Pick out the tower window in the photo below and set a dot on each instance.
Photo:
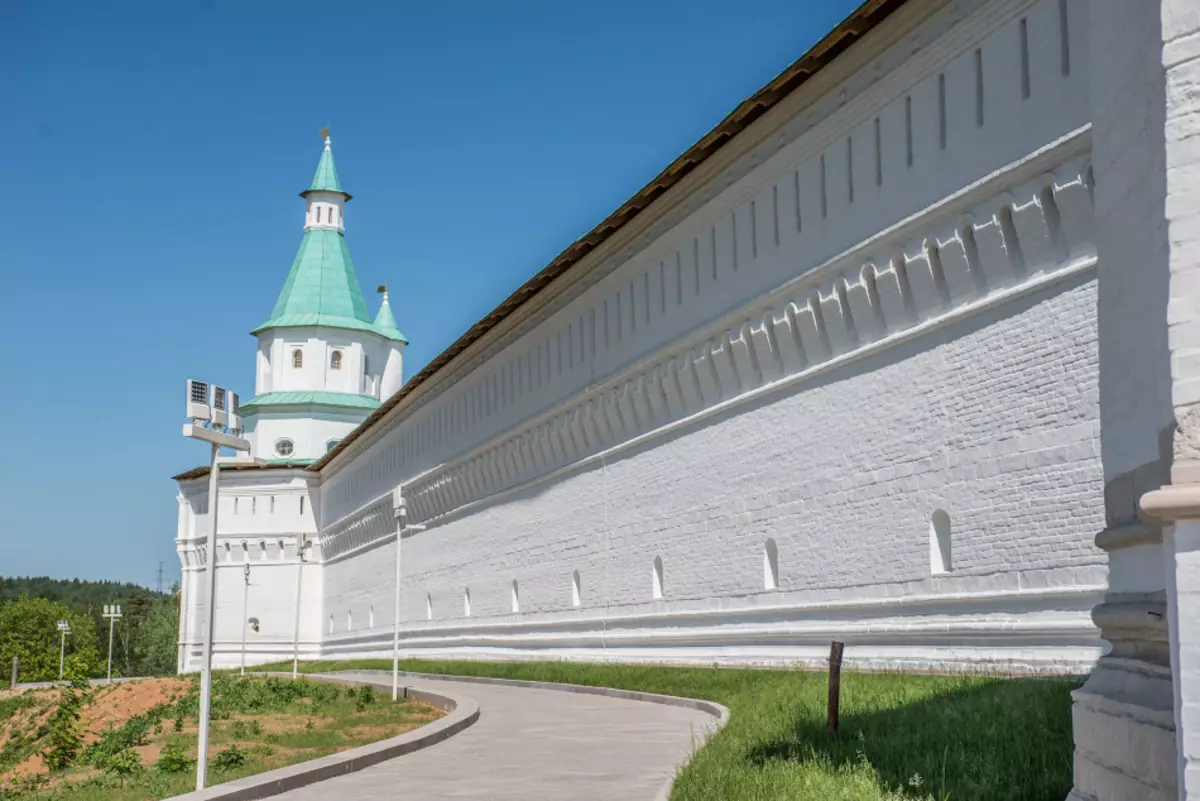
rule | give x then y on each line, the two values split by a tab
516	598
575	596
297	358
428	606
284	448
466	603
657	578
335	360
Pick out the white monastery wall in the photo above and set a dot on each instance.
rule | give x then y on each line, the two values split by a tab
876	302
261	523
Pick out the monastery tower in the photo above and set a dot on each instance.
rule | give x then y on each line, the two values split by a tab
323	363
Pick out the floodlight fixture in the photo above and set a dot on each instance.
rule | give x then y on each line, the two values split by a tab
220	408
112	612
197	400
235	415
64	627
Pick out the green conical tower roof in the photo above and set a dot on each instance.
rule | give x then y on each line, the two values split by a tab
326	178
384	320
322	287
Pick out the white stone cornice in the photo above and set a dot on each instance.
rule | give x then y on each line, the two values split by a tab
918	276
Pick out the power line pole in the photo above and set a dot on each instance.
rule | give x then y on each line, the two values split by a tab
160	564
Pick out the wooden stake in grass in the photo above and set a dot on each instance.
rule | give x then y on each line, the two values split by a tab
835	684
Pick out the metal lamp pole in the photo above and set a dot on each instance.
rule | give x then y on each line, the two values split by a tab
215	420
245	605
113	613
64	628
400	510
301	544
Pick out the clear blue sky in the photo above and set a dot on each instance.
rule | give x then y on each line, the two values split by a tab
151	157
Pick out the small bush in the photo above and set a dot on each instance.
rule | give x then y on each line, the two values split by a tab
232	757
173	760
122	764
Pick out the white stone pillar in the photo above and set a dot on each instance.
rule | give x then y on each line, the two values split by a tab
1135	719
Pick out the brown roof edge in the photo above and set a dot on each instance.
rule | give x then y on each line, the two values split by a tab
866	17
197	472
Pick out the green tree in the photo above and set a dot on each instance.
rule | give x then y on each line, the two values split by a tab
29	631
155	642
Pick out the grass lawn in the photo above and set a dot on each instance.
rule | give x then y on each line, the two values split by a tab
257	725
949	738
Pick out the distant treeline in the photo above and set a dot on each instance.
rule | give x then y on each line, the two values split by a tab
145	638
77	593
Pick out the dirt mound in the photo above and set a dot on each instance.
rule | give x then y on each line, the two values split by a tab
110	706
115	704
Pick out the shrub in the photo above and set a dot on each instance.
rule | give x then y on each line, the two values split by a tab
365	697
173	760
63	740
122	764
232	757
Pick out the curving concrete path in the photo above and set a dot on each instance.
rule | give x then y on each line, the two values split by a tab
531	744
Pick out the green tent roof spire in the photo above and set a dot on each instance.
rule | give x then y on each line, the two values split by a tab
384	320
326	178
322	288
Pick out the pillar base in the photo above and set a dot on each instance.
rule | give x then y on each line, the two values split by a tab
1124	731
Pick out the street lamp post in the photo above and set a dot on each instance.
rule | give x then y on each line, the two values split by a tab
113	613
301	545
64	629
216	421
245	609
400	511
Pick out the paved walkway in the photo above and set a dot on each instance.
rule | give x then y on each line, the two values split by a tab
532	745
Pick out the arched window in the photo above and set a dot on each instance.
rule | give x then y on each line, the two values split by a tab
371	617
284	448
235	504
262	550
253	504
939	542
576	598
657	578
335	360
228	553
467	602
245	551
770	565
428	606
302	506
516	598
349	621
297	358
282	550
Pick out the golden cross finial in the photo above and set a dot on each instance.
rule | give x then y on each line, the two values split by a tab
325	132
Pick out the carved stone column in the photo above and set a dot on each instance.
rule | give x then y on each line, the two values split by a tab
1132	721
